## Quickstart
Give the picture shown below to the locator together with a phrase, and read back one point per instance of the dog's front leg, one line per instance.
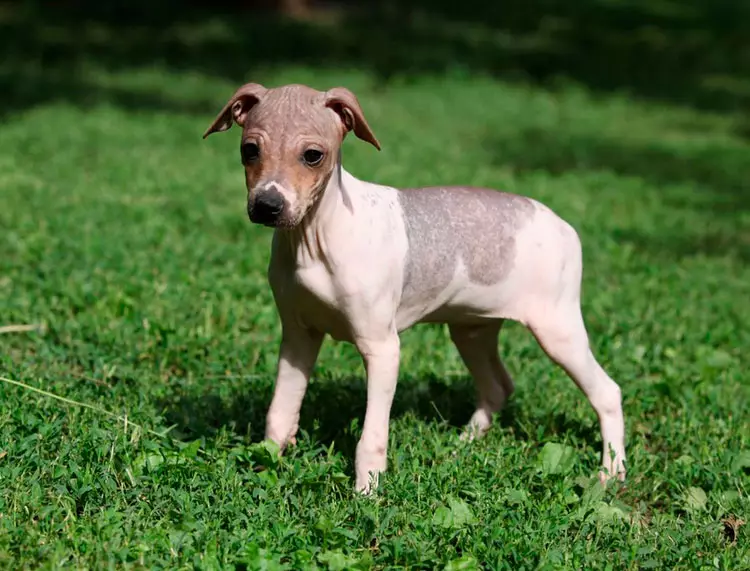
(298, 353)
(381, 357)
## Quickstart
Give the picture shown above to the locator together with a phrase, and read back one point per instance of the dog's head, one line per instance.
(290, 143)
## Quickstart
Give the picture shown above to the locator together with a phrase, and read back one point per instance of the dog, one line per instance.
(362, 262)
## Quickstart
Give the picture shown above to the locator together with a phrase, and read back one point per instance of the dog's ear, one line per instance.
(345, 104)
(236, 108)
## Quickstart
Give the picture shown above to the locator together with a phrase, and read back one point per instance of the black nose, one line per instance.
(267, 207)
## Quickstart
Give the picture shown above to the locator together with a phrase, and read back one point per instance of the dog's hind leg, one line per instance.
(477, 345)
(548, 301)
(554, 316)
(562, 335)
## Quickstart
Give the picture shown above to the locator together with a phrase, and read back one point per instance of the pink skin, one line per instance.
(362, 262)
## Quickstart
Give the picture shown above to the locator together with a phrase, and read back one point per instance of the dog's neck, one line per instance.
(330, 216)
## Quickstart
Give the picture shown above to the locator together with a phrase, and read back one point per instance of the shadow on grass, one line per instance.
(331, 405)
(694, 53)
(328, 410)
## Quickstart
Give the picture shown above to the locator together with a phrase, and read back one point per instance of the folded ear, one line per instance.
(236, 108)
(345, 104)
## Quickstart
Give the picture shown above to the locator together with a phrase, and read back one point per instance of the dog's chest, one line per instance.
(311, 297)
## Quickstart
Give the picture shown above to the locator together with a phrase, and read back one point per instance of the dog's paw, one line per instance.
(606, 476)
(471, 433)
(477, 427)
(370, 463)
(367, 487)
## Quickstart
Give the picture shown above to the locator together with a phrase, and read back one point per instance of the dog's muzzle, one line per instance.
(267, 208)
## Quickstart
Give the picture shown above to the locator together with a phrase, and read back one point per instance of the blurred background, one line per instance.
(693, 52)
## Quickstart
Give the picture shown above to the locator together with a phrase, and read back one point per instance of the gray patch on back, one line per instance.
(448, 224)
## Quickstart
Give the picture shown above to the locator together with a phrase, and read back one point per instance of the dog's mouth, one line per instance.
(255, 219)
(281, 220)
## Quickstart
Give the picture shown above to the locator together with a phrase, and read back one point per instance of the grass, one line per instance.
(126, 235)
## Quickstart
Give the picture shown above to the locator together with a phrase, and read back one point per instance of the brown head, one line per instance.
(290, 143)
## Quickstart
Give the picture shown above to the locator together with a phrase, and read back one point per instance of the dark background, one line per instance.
(694, 52)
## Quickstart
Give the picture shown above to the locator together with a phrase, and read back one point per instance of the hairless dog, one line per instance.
(362, 262)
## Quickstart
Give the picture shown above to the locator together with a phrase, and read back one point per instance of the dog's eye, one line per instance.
(249, 152)
(312, 156)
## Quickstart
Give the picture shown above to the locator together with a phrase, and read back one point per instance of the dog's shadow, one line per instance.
(331, 406)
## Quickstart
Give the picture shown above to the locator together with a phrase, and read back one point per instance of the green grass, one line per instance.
(126, 234)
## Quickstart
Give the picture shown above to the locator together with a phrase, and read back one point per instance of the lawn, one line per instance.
(126, 236)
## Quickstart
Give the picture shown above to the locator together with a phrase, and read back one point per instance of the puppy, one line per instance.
(362, 262)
